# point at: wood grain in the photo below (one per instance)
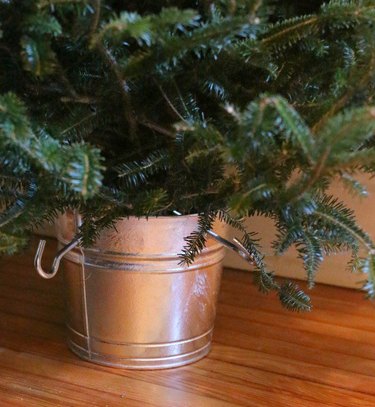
(261, 356)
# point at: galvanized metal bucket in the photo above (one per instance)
(130, 302)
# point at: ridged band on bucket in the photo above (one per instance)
(131, 303)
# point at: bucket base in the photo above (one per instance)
(140, 363)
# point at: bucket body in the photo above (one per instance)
(130, 304)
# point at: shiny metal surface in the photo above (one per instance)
(130, 303)
(56, 261)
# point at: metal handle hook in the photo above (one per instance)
(56, 261)
(236, 245)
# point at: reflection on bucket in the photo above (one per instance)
(130, 303)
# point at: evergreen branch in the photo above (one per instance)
(368, 267)
(287, 236)
(339, 146)
(95, 18)
(137, 172)
(79, 123)
(337, 214)
(347, 228)
(146, 29)
(10, 243)
(156, 127)
(49, 3)
(353, 185)
(174, 48)
(181, 99)
(314, 177)
(206, 144)
(151, 202)
(130, 23)
(348, 131)
(357, 84)
(83, 172)
(12, 213)
(248, 240)
(311, 254)
(290, 31)
(254, 9)
(196, 241)
(170, 104)
(58, 69)
(198, 153)
(43, 24)
(286, 122)
(353, 10)
(262, 278)
(308, 247)
(294, 299)
(242, 201)
(265, 280)
(77, 165)
(295, 126)
(289, 27)
(85, 100)
(17, 207)
(198, 194)
(357, 160)
(123, 87)
(257, 110)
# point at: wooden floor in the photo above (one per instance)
(261, 356)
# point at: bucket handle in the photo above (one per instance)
(235, 246)
(56, 261)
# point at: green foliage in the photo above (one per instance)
(368, 267)
(11, 243)
(335, 215)
(77, 165)
(225, 109)
(147, 30)
(353, 185)
(36, 52)
(135, 173)
(196, 242)
(293, 298)
(290, 296)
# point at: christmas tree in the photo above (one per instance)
(226, 109)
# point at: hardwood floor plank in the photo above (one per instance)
(294, 368)
(44, 297)
(303, 390)
(93, 378)
(319, 341)
(297, 322)
(24, 325)
(59, 393)
(178, 379)
(329, 359)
